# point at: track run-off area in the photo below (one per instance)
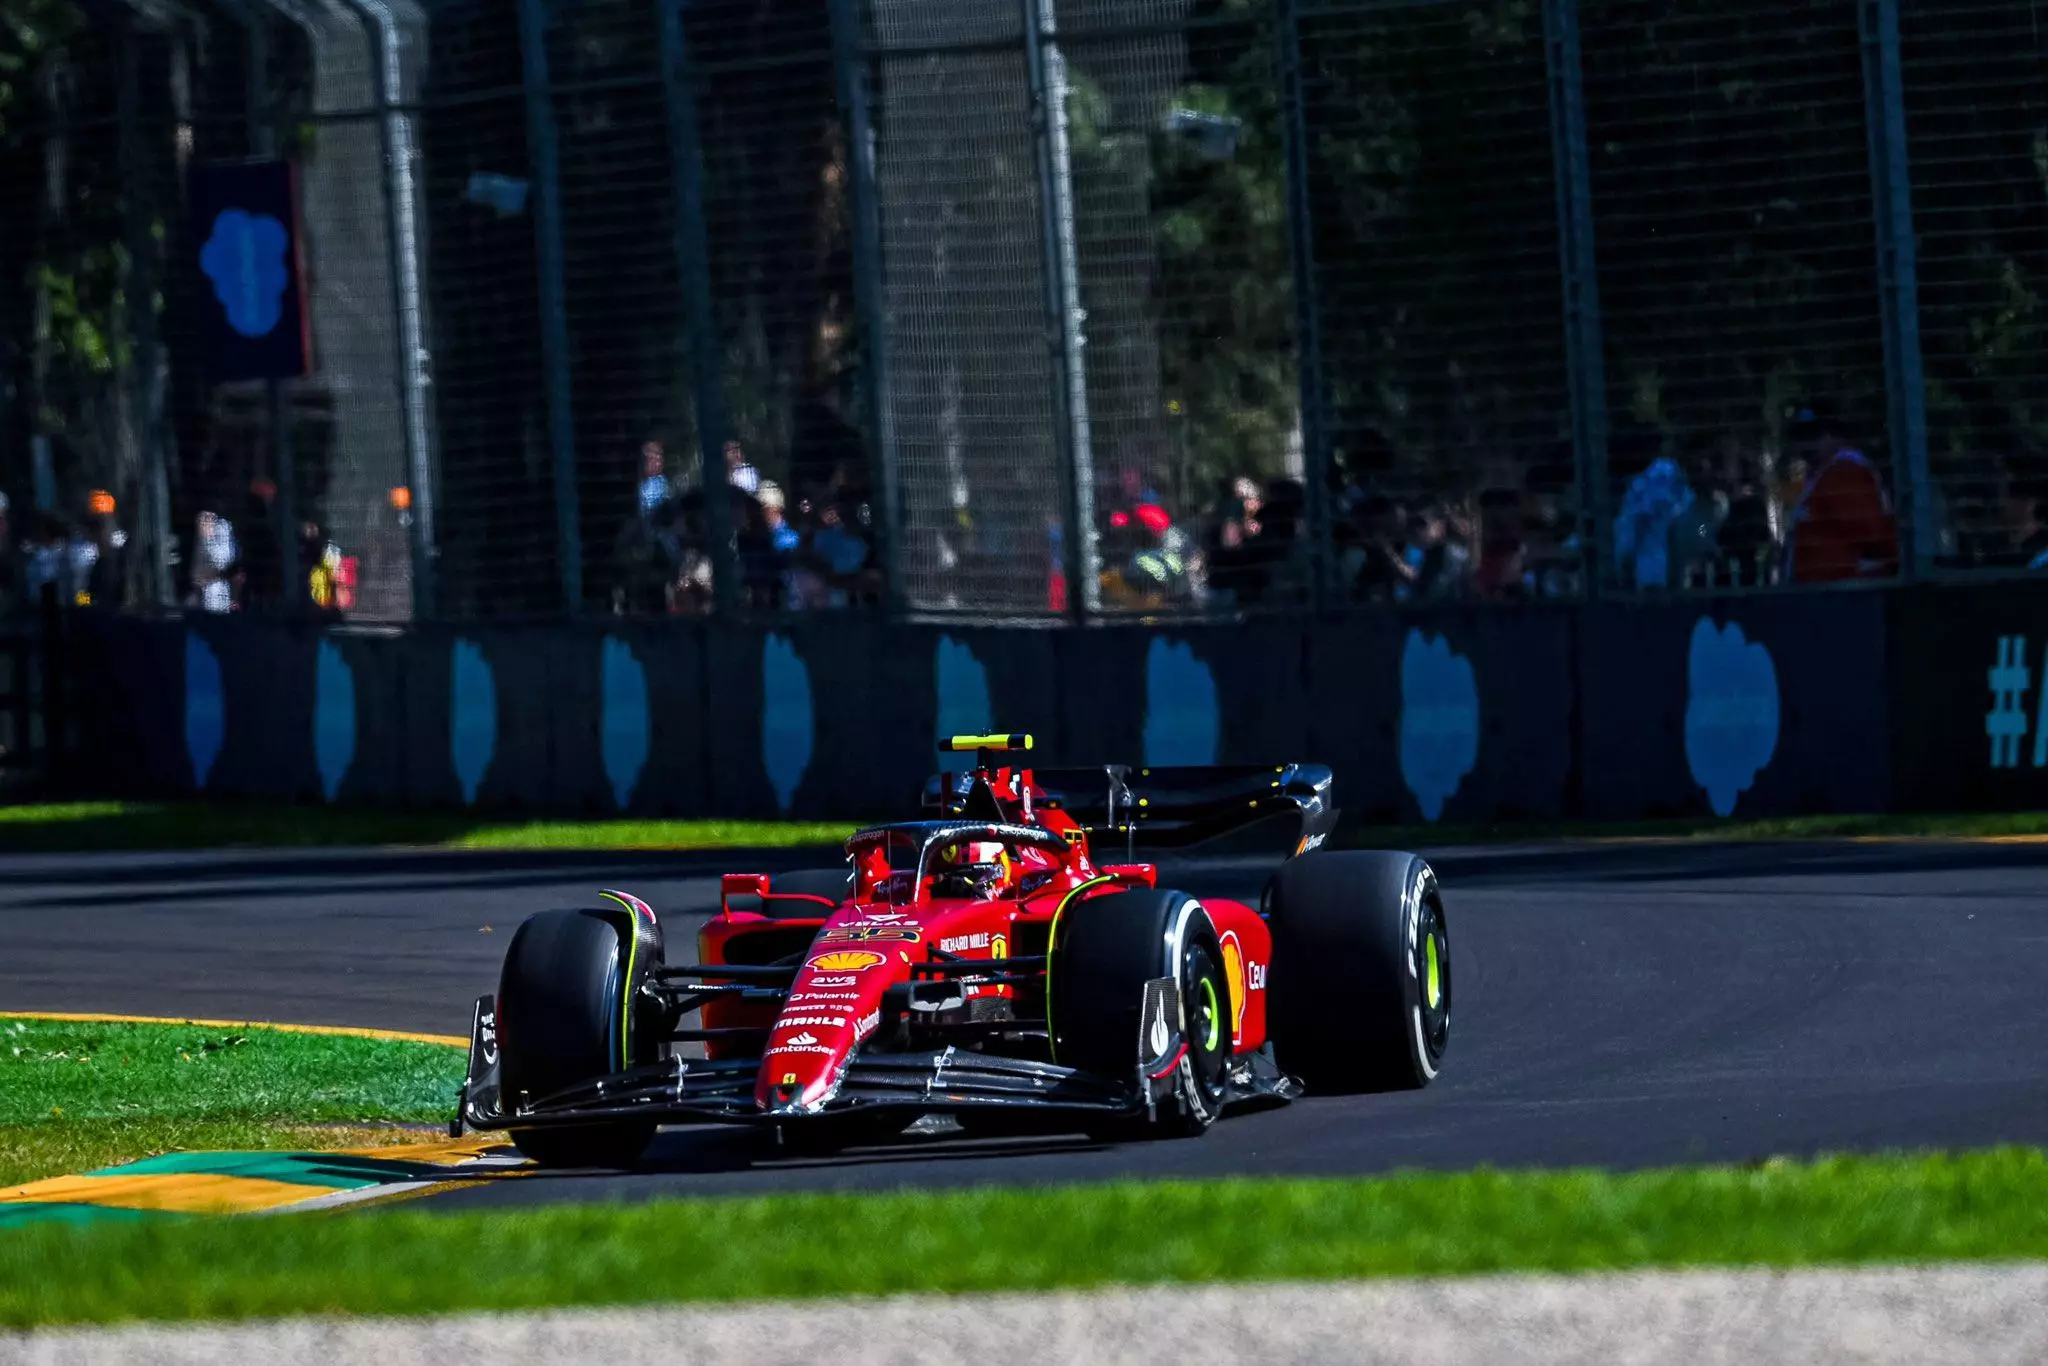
(1621, 1005)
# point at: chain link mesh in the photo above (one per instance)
(1409, 178)
(970, 364)
(1977, 130)
(1433, 204)
(1733, 219)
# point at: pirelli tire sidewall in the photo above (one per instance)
(1358, 997)
(1103, 952)
(566, 1015)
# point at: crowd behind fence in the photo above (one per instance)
(1029, 308)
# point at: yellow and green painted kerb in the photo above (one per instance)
(188, 1183)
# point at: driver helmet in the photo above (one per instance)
(986, 866)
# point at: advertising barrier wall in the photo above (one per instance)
(1926, 698)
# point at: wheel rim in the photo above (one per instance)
(1434, 1003)
(1208, 1043)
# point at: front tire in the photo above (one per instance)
(1104, 952)
(564, 1003)
(1359, 995)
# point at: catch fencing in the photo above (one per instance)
(1019, 309)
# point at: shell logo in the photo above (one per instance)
(1233, 973)
(845, 960)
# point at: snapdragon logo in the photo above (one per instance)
(245, 259)
(205, 710)
(1439, 721)
(786, 717)
(1181, 723)
(1731, 712)
(334, 717)
(626, 720)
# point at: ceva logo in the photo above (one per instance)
(205, 709)
(334, 717)
(473, 717)
(1731, 712)
(626, 720)
(1439, 721)
(964, 708)
(1181, 724)
(244, 258)
(787, 723)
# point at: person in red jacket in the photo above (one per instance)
(1842, 526)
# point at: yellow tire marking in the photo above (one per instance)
(340, 1031)
(172, 1192)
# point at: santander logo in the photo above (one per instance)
(804, 1039)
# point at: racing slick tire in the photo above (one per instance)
(1359, 994)
(563, 998)
(1103, 952)
(836, 883)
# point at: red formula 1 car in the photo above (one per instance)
(988, 964)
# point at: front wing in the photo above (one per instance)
(949, 1080)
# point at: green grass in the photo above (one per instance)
(66, 827)
(408, 1260)
(78, 1096)
(84, 826)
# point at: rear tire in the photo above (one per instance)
(562, 1003)
(1107, 948)
(1359, 995)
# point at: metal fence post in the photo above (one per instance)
(693, 258)
(1898, 281)
(1046, 69)
(1579, 265)
(263, 132)
(554, 296)
(856, 113)
(1308, 324)
(395, 142)
(140, 322)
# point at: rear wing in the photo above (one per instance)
(1286, 804)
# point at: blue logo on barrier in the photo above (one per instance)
(245, 260)
(964, 708)
(786, 721)
(472, 717)
(1731, 712)
(1181, 723)
(1439, 721)
(625, 720)
(205, 710)
(334, 717)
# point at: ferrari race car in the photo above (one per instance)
(988, 964)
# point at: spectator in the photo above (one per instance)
(1373, 564)
(739, 471)
(1842, 526)
(655, 488)
(266, 580)
(1497, 571)
(10, 570)
(46, 565)
(213, 563)
(1654, 500)
(1749, 534)
(97, 554)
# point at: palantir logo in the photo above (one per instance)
(245, 260)
(1731, 712)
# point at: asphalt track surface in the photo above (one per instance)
(1621, 1005)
